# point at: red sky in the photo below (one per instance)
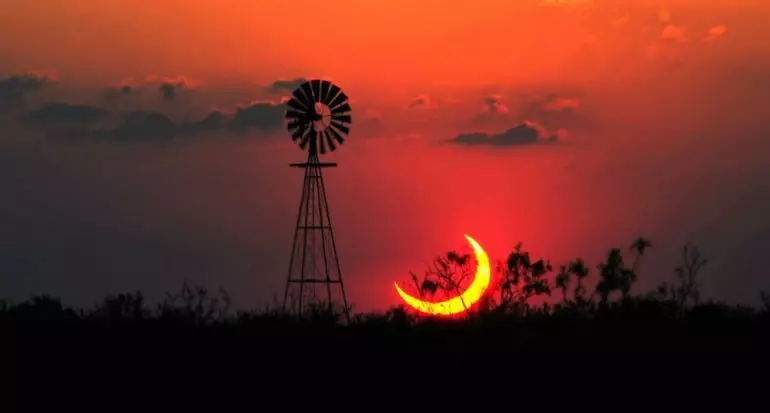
(658, 107)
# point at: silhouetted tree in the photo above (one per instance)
(580, 271)
(639, 246)
(577, 270)
(446, 274)
(194, 304)
(686, 289)
(614, 276)
(521, 279)
(129, 306)
(43, 308)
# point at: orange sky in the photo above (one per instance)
(473, 42)
(675, 87)
(263, 40)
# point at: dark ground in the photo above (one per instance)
(640, 346)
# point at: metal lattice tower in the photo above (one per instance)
(318, 116)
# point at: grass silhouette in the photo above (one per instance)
(571, 321)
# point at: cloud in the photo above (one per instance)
(421, 101)
(149, 125)
(715, 32)
(527, 133)
(142, 121)
(169, 88)
(555, 110)
(673, 33)
(492, 113)
(371, 115)
(15, 88)
(152, 126)
(265, 117)
(138, 125)
(371, 120)
(115, 92)
(261, 116)
(286, 85)
(494, 104)
(214, 121)
(64, 113)
(554, 103)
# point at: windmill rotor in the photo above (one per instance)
(318, 116)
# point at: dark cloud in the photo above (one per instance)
(422, 101)
(169, 89)
(526, 133)
(137, 126)
(79, 122)
(555, 103)
(115, 92)
(15, 88)
(138, 120)
(286, 85)
(64, 113)
(263, 116)
(494, 113)
(146, 125)
(372, 117)
(494, 104)
(555, 110)
(212, 122)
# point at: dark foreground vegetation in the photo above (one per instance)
(586, 326)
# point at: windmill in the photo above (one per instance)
(318, 119)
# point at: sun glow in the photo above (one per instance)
(464, 301)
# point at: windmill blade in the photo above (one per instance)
(342, 97)
(333, 91)
(342, 118)
(296, 105)
(313, 140)
(306, 138)
(298, 133)
(344, 108)
(344, 129)
(315, 84)
(336, 135)
(325, 84)
(291, 114)
(322, 142)
(301, 100)
(297, 123)
(309, 93)
(329, 140)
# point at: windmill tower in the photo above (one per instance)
(318, 116)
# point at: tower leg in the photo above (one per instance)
(334, 252)
(295, 244)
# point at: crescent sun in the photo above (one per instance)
(462, 302)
